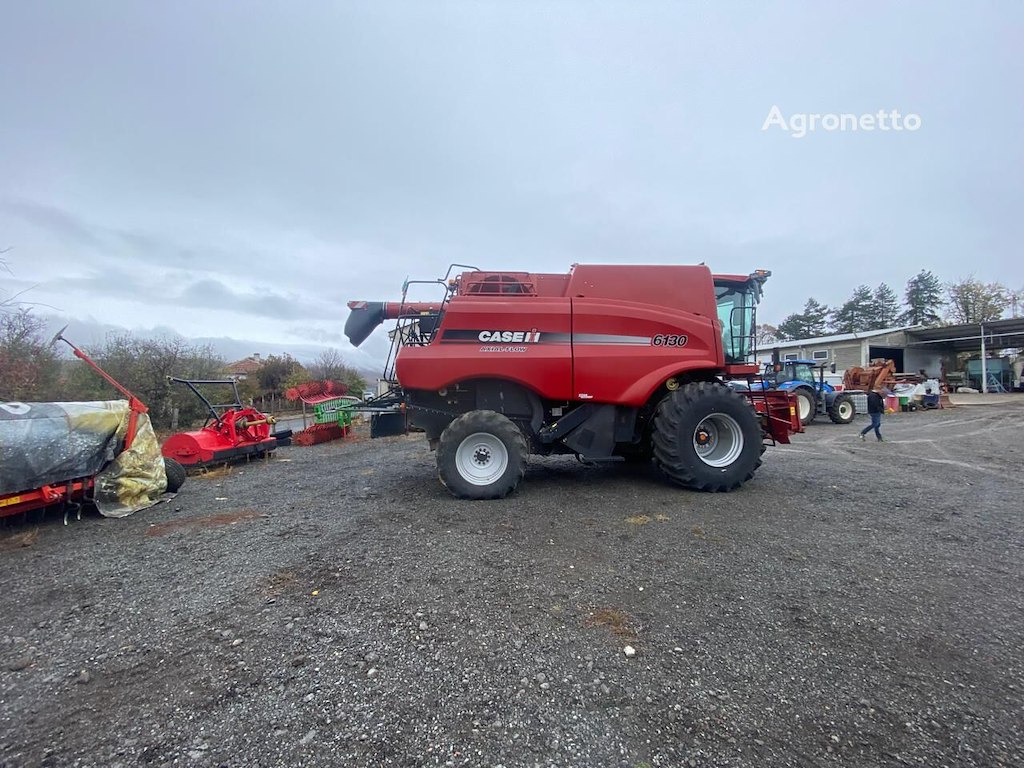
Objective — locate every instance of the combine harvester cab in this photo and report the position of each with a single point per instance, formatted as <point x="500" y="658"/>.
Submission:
<point x="610" y="363"/>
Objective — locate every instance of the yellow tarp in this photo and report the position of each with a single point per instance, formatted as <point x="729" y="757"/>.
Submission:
<point x="53" y="443"/>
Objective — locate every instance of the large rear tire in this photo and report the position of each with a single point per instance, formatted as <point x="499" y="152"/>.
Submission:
<point x="806" y="405"/>
<point x="175" y="475"/>
<point x="481" y="455"/>
<point x="707" y="437"/>
<point x="842" y="410"/>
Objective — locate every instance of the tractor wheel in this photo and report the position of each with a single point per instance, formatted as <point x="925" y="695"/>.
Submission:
<point x="175" y="475"/>
<point x="842" y="410"/>
<point x="806" y="406"/>
<point x="481" y="455"/>
<point x="707" y="437"/>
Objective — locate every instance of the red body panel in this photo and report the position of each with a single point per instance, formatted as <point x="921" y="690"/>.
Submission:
<point x="544" y="367"/>
<point x="596" y="332"/>
<point x="611" y="369"/>
<point x="16" y="503"/>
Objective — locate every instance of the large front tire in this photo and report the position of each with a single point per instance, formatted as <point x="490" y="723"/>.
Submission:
<point x="707" y="437"/>
<point x="842" y="410"/>
<point x="481" y="455"/>
<point x="806" y="405"/>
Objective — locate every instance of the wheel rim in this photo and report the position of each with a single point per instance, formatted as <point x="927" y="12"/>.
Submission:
<point x="804" y="406"/>
<point x="481" y="458"/>
<point x="718" y="440"/>
<point x="845" y="410"/>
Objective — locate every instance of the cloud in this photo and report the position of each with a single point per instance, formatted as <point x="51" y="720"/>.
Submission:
<point x="301" y="157"/>
<point x="210" y="294"/>
<point x="205" y="295"/>
<point x="119" y="245"/>
<point x="65" y="226"/>
<point x="312" y="333"/>
<point x="91" y="334"/>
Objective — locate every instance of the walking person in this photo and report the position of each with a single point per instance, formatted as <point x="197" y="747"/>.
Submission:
<point x="876" y="407"/>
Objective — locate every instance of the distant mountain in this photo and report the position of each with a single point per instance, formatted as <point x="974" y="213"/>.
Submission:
<point x="90" y="333"/>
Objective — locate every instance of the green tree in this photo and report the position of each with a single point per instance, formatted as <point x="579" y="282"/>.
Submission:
<point x="886" y="308"/>
<point x="29" y="368"/>
<point x="274" y="374"/>
<point x="299" y="375"/>
<point x="856" y="314"/>
<point x="923" y="299"/>
<point x="811" y="322"/>
<point x="971" y="301"/>
<point x="143" y="367"/>
<point x="354" y="382"/>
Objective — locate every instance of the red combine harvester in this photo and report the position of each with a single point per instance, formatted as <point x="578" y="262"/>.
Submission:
<point x="610" y="363"/>
<point x="231" y="431"/>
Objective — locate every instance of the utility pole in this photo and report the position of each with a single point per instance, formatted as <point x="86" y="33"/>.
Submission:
<point x="984" y="365"/>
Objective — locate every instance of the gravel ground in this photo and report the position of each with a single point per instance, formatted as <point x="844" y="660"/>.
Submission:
<point x="856" y="604"/>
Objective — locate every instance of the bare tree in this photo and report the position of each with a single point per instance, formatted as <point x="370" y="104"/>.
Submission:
<point x="971" y="301"/>
<point x="765" y="335"/>
<point x="329" y="365"/>
<point x="1016" y="302"/>
<point x="5" y="302"/>
<point x="29" y="368"/>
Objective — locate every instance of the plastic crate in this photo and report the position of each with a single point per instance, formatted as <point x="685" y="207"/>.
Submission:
<point x="860" y="401"/>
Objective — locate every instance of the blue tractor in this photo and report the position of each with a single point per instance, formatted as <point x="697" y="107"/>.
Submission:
<point x="813" y="394"/>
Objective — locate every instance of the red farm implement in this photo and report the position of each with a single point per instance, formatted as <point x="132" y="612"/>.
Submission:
<point x="70" y="491"/>
<point x="231" y="432"/>
<point x="332" y="411"/>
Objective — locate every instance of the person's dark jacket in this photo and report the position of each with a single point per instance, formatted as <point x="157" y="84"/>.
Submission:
<point x="875" y="403"/>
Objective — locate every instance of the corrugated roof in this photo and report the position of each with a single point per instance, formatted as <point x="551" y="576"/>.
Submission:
<point x="999" y="334"/>
<point x="838" y="337"/>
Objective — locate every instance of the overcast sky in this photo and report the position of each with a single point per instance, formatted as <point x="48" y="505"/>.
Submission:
<point x="244" y="169"/>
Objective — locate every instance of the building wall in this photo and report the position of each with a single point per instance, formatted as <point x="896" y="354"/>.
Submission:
<point x="854" y="352"/>
<point x="895" y="339"/>
<point x="848" y="354"/>
<point x="843" y="353"/>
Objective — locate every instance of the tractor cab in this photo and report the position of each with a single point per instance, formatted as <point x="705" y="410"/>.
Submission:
<point x="792" y="373"/>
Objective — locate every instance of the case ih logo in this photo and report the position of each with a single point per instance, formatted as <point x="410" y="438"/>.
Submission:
<point x="510" y="337"/>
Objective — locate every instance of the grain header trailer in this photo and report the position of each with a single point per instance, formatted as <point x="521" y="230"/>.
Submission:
<point x="610" y="363"/>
